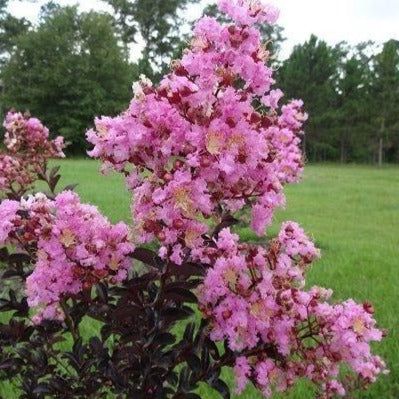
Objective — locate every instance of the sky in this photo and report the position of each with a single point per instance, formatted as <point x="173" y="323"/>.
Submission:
<point x="332" y="20"/>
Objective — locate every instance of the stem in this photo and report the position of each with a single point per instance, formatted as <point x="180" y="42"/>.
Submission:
<point x="156" y="304"/>
<point x="70" y="322"/>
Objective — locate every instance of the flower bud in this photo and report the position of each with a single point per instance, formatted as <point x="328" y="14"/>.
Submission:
<point x="168" y="177"/>
<point x="161" y="236"/>
<point x="368" y="307"/>
<point x="205" y="162"/>
<point x="178" y="224"/>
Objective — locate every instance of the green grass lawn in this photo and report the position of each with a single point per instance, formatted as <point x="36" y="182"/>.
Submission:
<point x="353" y="214"/>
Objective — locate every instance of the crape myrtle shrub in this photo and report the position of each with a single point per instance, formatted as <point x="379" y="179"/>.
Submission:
<point x="208" y="144"/>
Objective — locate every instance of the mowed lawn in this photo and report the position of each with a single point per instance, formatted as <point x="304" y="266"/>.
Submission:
<point x="353" y="214"/>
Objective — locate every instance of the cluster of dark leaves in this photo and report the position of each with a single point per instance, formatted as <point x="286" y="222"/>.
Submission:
<point x="139" y="339"/>
<point x="51" y="177"/>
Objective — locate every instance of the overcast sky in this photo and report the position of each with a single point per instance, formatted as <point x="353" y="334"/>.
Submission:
<point x="332" y="20"/>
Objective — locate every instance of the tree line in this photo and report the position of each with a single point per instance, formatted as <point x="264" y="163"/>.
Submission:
<point x="352" y="94"/>
<point x="72" y="65"/>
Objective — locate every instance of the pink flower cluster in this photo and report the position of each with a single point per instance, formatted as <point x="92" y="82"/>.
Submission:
<point x="15" y="176"/>
<point x="254" y="298"/>
<point x="28" y="148"/>
<point x="210" y="139"/>
<point x="75" y="247"/>
<point x="29" y="136"/>
<point x="248" y="12"/>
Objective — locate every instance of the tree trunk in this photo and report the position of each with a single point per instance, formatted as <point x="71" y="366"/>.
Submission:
<point x="380" y="151"/>
<point x="343" y="157"/>
<point x="381" y="143"/>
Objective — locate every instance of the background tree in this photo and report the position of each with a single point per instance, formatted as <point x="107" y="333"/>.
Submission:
<point x="386" y="101"/>
<point x="48" y="8"/>
<point x="352" y="113"/>
<point x="10" y="28"/>
<point x="311" y="73"/>
<point x="157" y="23"/>
<point x="67" y="70"/>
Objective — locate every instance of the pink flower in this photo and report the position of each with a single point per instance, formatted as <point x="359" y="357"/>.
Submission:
<point x="76" y="247"/>
<point x="272" y="99"/>
<point x="248" y="12"/>
<point x="296" y="243"/>
<point x="28" y="148"/>
<point x="242" y="371"/>
<point x="8" y="216"/>
<point x="253" y="297"/>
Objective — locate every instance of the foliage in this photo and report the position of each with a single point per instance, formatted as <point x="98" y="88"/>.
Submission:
<point x="386" y="96"/>
<point x="157" y="23"/>
<point x="352" y="121"/>
<point x="345" y="87"/>
<point x="66" y="70"/>
<point x="10" y="28"/>
<point x="311" y="72"/>
<point x="207" y="143"/>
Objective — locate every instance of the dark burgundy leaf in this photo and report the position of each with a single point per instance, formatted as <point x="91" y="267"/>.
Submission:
<point x="3" y="254"/>
<point x="70" y="187"/>
<point x="19" y="258"/>
<point x="180" y="295"/>
<point x="42" y="389"/>
<point x="222" y="388"/>
<point x="54" y="171"/>
<point x="164" y="339"/>
<point x="227" y="221"/>
<point x="194" y="363"/>
<point x="148" y="257"/>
